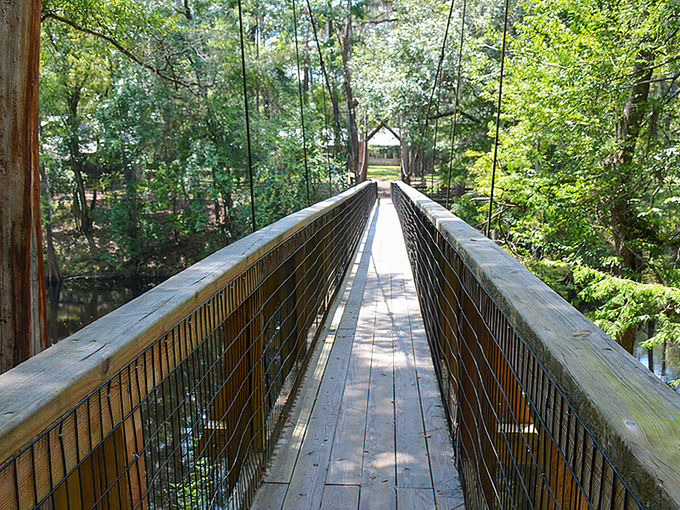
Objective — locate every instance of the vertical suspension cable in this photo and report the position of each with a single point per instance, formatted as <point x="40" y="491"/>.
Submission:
<point x="434" y="146"/>
<point x="323" y="90"/>
<point x="321" y="60"/>
<point x="245" y="101"/>
<point x="302" y="110"/>
<point x="328" y="154"/>
<point x="498" y="118"/>
<point x="454" y="120"/>
<point x="436" y="78"/>
<point x="434" y="151"/>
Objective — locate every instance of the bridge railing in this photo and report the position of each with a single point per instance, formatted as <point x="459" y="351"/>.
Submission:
<point x="546" y="410"/>
<point x="175" y="399"/>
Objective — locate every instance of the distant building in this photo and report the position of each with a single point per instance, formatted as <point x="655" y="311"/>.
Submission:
<point x="384" y="156"/>
<point x="384" y="149"/>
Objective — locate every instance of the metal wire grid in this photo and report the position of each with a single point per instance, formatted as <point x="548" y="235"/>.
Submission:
<point x="519" y="442"/>
<point x="191" y="421"/>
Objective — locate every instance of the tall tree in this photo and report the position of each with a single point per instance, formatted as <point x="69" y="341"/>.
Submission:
<point x="23" y="330"/>
<point x="588" y="159"/>
<point x="346" y="53"/>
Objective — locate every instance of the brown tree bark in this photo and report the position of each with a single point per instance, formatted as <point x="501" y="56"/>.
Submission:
<point x="626" y="225"/>
<point x="354" y="148"/>
<point x="23" y="328"/>
<point x="81" y="208"/>
<point x="363" y="166"/>
<point x="53" y="273"/>
<point x="406" y="156"/>
<point x="405" y="160"/>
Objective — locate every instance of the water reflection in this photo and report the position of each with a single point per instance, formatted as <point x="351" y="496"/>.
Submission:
<point x="74" y="304"/>
<point x="664" y="359"/>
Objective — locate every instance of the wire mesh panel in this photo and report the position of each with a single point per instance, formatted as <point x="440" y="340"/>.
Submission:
<point x="520" y="442"/>
<point x="191" y="419"/>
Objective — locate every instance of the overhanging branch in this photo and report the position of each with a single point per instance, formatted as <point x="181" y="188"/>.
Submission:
<point x="124" y="51"/>
<point x="449" y="113"/>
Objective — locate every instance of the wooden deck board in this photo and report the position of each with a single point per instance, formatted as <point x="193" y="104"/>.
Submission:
<point x="310" y="470"/>
<point x="378" y="468"/>
<point x="308" y="478"/>
<point x="447" y="489"/>
<point x="340" y="497"/>
<point x="347" y="449"/>
<point x="415" y="499"/>
<point x="378" y="498"/>
<point x="372" y="432"/>
<point x="270" y="496"/>
<point x="345" y="464"/>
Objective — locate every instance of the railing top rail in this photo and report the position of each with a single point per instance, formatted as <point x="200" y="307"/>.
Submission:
<point x="634" y="416"/>
<point x="40" y="390"/>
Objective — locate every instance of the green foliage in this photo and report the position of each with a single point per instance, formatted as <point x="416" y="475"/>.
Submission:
<point x="623" y="304"/>
<point x="581" y="178"/>
<point x="588" y="157"/>
<point x="143" y="122"/>
<point x="561" y="183"/>
<point x="196" y="490"/>
<point x="141" y="103"/>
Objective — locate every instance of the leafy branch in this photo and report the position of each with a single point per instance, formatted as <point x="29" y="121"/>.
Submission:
<point x="624" y="304"/>
<point x="123" y="50"/>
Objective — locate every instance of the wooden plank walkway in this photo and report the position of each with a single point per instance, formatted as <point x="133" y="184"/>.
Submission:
<point x="368" y="429"/>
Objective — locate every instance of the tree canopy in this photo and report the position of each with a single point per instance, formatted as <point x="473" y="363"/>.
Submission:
<point x="587" y="180"/>
<point x="143" y="143"/>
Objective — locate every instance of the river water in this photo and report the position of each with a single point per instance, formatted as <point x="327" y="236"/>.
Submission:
<point x="665" y="360"/>
<point x="75" y="303"/>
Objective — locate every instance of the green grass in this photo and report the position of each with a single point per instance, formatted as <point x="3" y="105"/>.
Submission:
<point x="383" y="172"/>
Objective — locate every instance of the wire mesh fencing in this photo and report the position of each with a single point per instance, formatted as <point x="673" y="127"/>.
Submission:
<point x="520" y="443"/>
<point x="191" y="420"/>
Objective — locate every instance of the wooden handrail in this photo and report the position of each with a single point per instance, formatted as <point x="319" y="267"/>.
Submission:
<point x="634" y="416"/>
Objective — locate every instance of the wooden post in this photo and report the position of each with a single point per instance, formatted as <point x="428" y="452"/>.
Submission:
<point x="257" y="368"/>
<point x="405" y="161"/>
<point x="449" y="340"/>
<point x="301" y="303"/>
<point x="363" y="148"/>
<point x="97" y="480"/>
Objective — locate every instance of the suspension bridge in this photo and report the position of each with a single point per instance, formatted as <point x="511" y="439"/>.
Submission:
<point x="361" y="353"/>
<point x="370" y="351"/>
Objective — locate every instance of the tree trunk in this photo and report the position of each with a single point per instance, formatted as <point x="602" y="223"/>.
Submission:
<point x="81" y="207"/>
<point x="651" y="326"/>
<point x="363" y="167"/>
<point x="53" y="274"/>
<point x="351" y="102"/>
<point x="335" y="105"/>
<point x="337" y="131"/>
<point x="306" y="71"/>
<point x="23" y="325"/>
<point x="405" y="160"/>
<point x="625" y="222"/>
<point x="228" y="203"/>
<point x="627" y="339"/>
